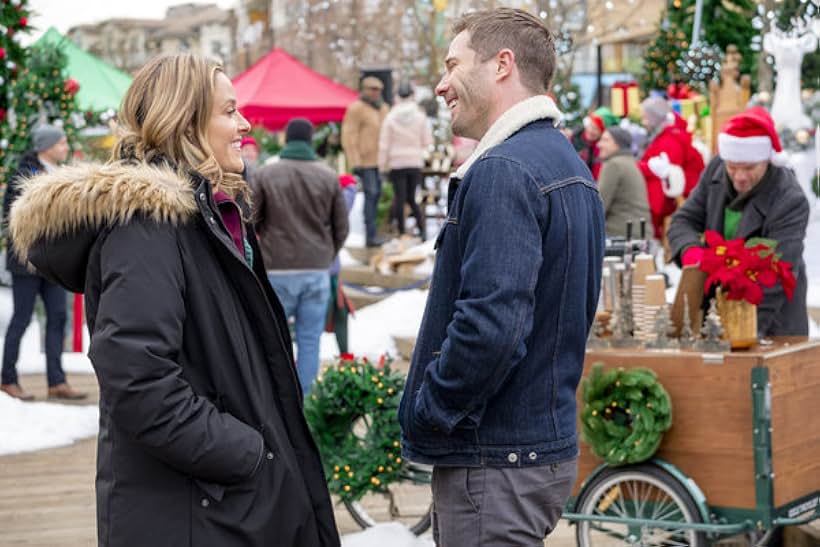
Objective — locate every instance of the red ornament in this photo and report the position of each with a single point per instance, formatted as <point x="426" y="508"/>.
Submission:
<point x="71" y="86"/>
<point x="23" y="22"/>
<point x="2" y="114"/>
<point x="2" y="53"/>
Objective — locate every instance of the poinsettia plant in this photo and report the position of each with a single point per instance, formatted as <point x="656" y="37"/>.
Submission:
<point x="743" y="268"/>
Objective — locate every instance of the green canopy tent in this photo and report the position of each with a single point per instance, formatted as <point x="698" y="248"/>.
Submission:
<point x="102" y="86"/>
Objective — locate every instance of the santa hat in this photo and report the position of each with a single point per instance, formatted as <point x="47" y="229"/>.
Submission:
<point x="594" y="119"/>
<point x="750" y="137"/>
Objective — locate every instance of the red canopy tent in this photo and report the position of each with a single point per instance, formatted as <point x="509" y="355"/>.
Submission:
<point x="278" y="88"/>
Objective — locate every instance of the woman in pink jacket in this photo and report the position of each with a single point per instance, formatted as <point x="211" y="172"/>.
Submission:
<point x="405" y="136"/>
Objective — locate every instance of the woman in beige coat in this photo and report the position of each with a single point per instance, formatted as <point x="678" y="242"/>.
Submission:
<point x="621" y="184"/>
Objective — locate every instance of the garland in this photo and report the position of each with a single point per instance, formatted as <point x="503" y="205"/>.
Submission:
<point x="625" y="414"/>
<point x="352" y="413"/>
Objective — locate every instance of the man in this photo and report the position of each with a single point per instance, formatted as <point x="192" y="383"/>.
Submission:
<point x="746" y="192"/>
<point x="403" y="142"/>
<point x="669" y="163"/>
<point x="360" y="141"/>
<point x="49" y="149"/>
<point x="490" y="396"/>
<point x="302" y="223"/>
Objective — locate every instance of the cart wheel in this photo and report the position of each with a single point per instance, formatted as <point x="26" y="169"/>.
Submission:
<point x="641" y="491"/>
<point x="408" y="501"/>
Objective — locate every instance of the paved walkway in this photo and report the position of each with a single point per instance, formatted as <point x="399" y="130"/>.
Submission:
<point x="48" y="496"/>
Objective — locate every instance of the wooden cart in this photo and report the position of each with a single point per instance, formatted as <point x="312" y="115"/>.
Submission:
<point x="743" y="453"/>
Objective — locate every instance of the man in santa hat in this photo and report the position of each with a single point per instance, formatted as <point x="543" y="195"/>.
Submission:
<point x="748" y="192"/>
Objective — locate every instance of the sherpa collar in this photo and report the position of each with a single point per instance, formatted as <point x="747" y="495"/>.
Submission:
<point x="527" y="111"/>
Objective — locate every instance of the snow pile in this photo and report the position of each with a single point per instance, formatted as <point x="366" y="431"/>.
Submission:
<point x="371" y="329"/>
<point x="35" y="426"/>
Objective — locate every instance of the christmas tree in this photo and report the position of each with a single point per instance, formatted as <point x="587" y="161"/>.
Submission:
<point x="39" y="94"/>
<point x="661" y="60"/>
<point x="14" y="15"/>
<point x="723" y="22"/>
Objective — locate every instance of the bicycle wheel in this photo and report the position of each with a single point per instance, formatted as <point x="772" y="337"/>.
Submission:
<point x="641" y="491"/>
<point x="408" y="501"/>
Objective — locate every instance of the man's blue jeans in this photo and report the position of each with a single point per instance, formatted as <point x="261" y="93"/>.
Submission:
<point x="372" y="184"/>
<point x="25" y="289"/>
<point x="304" y="296"/>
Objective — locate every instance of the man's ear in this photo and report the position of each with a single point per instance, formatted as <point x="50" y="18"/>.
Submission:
<point x="505" y="62"/>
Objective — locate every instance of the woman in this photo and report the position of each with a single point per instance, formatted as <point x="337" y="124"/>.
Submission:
<point x="621" y="184"/>
<point x="202" y="440"/>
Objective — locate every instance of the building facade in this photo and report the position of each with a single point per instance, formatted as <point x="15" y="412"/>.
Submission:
<point x="204" y="29"/>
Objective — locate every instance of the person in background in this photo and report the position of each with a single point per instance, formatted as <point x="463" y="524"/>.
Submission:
<point x="490" y="399"/>
<point x="747" y="191"/>
<point x="49" y="149"/>
<point x="360" y="141"/>
<point x="585" y="138"/>
<point x="340" y="307"/>
<point x="302" y="223"/>
<point x="669" y="163"/>
<point x="250" y="150"/>
<point x="203" y="439"/>
<point x="620" y="183"/>
<point x="403" y="142"/>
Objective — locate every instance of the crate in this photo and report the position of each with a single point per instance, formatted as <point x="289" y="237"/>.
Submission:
<point x="711" y="435"/>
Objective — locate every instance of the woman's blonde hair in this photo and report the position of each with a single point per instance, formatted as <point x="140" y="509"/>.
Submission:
<point x="165" y="113"/>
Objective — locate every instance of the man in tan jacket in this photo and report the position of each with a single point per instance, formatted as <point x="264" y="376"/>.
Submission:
<point x="360" y="141"/>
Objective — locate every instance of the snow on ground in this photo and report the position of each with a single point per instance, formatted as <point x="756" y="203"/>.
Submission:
<point x="371" y="329"/>
<point x="392" y="534"/>
<point x="34" y="426"/>
<point x="811" y="254"/>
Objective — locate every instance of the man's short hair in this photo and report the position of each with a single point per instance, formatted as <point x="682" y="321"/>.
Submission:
<point x="521" y="32"/>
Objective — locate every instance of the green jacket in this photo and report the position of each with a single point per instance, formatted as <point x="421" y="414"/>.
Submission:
<point x="623" y="192"/>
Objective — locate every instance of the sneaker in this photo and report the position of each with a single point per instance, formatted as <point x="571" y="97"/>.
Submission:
<point x="14" y="390"/>
<point x="66" y="392"/>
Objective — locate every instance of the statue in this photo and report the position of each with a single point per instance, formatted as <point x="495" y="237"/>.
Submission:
<point x="788" y="50"/>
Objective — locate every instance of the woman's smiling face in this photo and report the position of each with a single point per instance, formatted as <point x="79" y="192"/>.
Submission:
<point x="226" y="127"/>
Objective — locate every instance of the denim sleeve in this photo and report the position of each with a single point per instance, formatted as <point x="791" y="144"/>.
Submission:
<point x="500" y="243"/>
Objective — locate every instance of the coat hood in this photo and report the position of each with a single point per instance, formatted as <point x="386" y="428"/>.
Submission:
<point x="59" y="215"/>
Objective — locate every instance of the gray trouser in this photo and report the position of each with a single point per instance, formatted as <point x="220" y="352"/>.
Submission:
<point x="499" y="506"/>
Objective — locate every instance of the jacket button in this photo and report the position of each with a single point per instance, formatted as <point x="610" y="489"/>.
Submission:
<point x="212" y="220"/>
<point x="205" y="502"/>
<point x="202" y="196"/>
<point x="533" y="455"/>
<point x="512" y="457"/>
<point x="269" y="455"/>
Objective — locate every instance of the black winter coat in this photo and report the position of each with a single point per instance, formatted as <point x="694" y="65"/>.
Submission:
<point x="202" y="438"/>
<point x="780" y="211"/>
<point x="29" y="165"/>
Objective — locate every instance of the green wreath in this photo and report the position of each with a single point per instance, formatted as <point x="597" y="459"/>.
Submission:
<point x="625" y="414"/>
<point x="352" y="413"/>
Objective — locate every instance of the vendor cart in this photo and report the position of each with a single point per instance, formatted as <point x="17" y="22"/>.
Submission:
<point x="742" y="455"/>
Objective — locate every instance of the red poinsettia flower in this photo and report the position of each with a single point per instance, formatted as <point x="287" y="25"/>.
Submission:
<point x="743" y="268"/>
<point x="784" y="272"/>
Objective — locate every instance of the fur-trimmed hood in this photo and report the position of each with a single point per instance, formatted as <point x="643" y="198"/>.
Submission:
<point x="68" y="207"/>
